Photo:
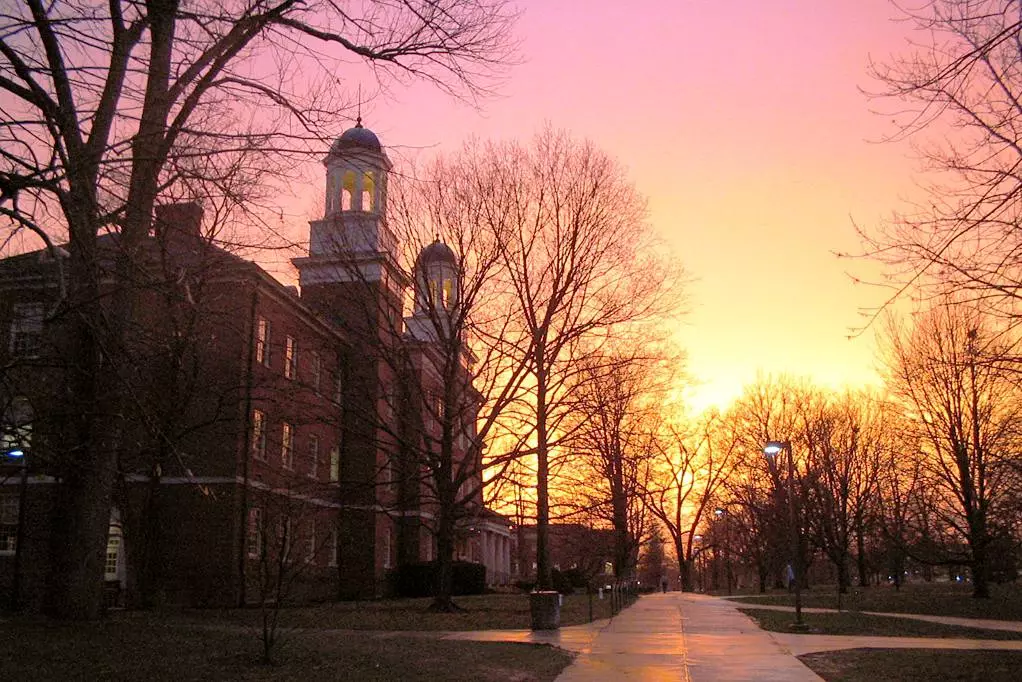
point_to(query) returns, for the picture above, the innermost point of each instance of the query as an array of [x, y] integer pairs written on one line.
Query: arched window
[[448, 292], [347, 190], [435, 294], [368, 191]]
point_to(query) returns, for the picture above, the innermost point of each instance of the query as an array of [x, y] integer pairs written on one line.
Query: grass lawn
[[869, 665], [938, 599], [482, 612], [851, 623], [131, 649]]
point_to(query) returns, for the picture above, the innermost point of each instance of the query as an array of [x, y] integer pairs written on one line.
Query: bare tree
[[947, 371], [111, 103], [900, 491], [612, 440], [772, 409], [846, 442], [694, 466], [460, 385], [578, 261], [959, 94]]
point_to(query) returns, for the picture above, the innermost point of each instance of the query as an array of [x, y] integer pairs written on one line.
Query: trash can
[[546, 610]]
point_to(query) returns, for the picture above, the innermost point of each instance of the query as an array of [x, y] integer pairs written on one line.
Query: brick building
[[267, 428]]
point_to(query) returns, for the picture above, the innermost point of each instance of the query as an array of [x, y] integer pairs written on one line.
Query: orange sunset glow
[[746, 127]]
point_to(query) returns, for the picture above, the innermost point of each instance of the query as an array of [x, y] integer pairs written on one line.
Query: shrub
[[419, 579]]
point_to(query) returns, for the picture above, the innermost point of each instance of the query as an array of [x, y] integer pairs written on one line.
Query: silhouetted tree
[[578, 261], [612, 440], [947, 371], [958, 94], [693, 468]]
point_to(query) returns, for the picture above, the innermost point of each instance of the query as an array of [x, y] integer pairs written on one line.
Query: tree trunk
[[442, 597], [81, 513], [978, 542], [544, 577], [685, 575], [860, 553], [843, 578]]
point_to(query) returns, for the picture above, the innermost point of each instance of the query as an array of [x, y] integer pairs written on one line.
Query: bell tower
[[437, 295], [352, 278], [352, 242]]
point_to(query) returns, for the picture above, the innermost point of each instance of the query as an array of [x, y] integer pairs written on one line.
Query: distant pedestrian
[[663, 584], [789, 577]]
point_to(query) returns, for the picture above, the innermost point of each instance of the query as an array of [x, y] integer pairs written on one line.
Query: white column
[[488, 555]]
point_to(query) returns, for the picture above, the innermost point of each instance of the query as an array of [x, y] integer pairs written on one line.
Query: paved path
[[671, 636], [982, 623], [695, 638], [808, 644]]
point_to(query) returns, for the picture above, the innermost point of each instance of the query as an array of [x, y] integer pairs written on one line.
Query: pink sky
[[743, 124]]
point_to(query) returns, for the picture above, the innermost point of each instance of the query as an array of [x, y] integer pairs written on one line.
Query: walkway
[[982, 623], [696, 638], [670, 636]]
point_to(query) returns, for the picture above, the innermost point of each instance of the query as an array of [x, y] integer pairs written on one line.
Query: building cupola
[[357, 170], [436, 279]]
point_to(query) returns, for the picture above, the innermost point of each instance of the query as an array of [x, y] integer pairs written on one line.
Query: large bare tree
[[458, 386], [693, 468], [611, 435], [948, 372], [107, 104], [581, 266], [847, 441]]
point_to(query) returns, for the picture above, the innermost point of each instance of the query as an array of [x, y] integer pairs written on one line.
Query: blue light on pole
[[16, 454]]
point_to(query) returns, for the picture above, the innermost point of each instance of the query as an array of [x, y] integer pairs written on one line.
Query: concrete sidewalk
[[981, 623], [671, 636], [809, 644], [696, 638]]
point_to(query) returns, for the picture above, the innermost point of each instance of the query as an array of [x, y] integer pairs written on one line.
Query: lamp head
[[774, 447]]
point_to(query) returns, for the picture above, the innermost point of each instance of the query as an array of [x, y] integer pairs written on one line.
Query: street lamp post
[[772, 449], [721, 514], [16, 457]]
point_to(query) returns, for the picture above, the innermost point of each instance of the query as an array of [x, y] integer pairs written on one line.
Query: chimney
[[179, 225]]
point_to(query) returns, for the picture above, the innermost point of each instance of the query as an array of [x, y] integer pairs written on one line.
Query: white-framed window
[[310, 551], [8, 524], [254, 537], [287, 445], [290, 358], [313, 455], [259, 434], [113, 552], [285, 538], [338, 388], [387, 406], [335, 465], [263, 342], [26, 329], [332, 548], [317, 371]]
